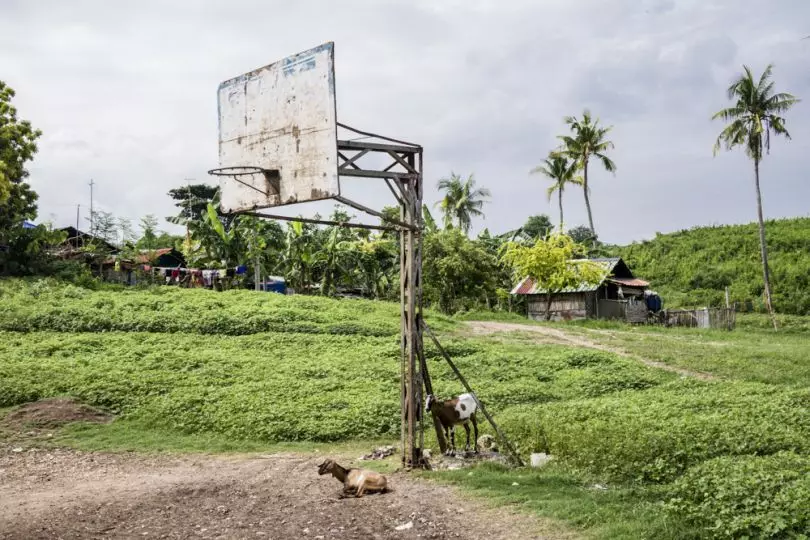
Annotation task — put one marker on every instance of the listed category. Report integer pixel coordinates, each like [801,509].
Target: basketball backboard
[282,119]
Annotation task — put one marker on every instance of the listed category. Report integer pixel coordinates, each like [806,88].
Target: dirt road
[545,334]
[60,493]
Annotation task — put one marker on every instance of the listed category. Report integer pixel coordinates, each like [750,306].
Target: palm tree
[752,119]
[587,141]
[462,201]
[561,170]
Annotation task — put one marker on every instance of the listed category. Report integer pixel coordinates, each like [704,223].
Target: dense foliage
[18,144]
[263,367]
[693,267]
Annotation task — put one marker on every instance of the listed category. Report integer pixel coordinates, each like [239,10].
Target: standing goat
[357,480]
[460,410]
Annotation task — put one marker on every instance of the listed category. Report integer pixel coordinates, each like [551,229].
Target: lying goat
[460,410]
[359,481]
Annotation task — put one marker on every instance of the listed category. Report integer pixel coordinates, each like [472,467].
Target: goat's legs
[475,428]
[361,489]
[447,439]
[453,439]
[467,429]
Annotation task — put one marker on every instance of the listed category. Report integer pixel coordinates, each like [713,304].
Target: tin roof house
[620,295]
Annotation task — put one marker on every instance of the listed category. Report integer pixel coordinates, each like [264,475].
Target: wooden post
[728,304]
[413,376]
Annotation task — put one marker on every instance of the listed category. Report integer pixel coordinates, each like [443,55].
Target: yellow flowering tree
[551,264]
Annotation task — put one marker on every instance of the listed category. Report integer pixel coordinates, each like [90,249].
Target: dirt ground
[60,493]
[545,334]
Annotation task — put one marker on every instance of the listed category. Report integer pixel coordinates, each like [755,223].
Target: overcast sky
[125,93]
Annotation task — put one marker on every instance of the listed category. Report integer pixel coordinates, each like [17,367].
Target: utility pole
[78,207]
[91,205]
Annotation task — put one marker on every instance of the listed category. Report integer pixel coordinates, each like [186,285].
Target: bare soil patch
[53,413]
[60,493]
[544,334]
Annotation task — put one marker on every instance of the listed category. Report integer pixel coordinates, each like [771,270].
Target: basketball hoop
[239,171]
[271,177]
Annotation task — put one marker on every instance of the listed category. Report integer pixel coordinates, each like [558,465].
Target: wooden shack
[620,295]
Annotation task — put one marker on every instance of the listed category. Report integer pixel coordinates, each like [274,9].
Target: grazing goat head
[460,410]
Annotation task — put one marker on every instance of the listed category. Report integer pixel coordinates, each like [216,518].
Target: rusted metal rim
[237,171]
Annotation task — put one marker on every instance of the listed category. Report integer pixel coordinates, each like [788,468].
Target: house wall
[634,312]
[564,307]
[611,309]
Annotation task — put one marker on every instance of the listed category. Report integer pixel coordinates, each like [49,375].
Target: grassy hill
[683,458]
[693,267]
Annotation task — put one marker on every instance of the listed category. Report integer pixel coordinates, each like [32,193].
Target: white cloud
[125,94]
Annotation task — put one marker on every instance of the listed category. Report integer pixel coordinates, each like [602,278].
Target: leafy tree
[462,201]
[587,140]
[458,273]
[538,226]
[561,170]
[333,249]
[502,277]
[26,253]
[17,147]
[149,232]
[127,234]
[299,255]
[550,264]
[104,226]
[583,235]
[375,262]
[427,217]
[756,114]
[192,200]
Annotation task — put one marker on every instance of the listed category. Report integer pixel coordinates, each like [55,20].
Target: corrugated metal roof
[606,263]
[630,282]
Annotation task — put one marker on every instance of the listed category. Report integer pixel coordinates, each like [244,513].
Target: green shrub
[656,434]
[46,305]
[747,496]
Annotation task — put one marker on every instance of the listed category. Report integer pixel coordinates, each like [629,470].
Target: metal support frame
[403,176]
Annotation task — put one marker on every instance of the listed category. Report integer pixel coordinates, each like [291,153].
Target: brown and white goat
[452,412]
[358,481]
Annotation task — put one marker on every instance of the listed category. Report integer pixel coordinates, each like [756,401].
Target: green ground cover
[238,371]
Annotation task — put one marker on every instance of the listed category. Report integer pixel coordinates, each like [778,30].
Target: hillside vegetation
[693,267]
[679,454]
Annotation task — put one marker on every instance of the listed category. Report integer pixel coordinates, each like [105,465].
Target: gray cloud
[125,94]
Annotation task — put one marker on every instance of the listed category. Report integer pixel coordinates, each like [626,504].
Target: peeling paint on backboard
[282,118]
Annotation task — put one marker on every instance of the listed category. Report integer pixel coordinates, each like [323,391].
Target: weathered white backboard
[281,118]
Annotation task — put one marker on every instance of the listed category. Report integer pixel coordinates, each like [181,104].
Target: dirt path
[60,493]
[545,334]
